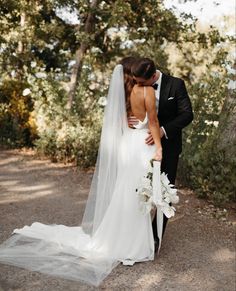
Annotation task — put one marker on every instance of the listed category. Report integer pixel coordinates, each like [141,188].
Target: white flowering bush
[64,135]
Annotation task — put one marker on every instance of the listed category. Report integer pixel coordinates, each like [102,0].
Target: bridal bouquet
[145,194]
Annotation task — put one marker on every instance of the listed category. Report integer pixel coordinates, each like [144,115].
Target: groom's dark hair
[143,68]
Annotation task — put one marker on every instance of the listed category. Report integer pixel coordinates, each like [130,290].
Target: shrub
[17,123]
[65,135]
[205,165]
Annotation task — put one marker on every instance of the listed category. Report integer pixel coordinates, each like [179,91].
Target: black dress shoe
[156,245]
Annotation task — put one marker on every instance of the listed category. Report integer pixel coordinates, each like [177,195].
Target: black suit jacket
[175,112]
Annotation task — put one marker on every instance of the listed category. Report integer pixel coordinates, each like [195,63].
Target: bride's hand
[158,155]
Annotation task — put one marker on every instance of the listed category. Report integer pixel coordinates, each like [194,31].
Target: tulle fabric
[124,235]
[113,229]
[115,125]
[54,259]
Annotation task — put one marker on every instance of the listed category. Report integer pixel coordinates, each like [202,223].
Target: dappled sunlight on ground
[29,196]
[24,188]
[223,255]
[151,278]
[197,250]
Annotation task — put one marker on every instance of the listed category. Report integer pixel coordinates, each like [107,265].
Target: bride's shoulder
[136,89]
[143,89]
[149,89]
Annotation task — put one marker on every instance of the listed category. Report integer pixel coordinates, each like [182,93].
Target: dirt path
[197,251]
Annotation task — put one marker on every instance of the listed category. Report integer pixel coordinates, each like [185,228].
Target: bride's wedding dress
[120,231]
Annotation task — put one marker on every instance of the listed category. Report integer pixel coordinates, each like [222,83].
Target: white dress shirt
[157,94]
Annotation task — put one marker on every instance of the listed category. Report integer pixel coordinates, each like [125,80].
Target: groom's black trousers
[169,166]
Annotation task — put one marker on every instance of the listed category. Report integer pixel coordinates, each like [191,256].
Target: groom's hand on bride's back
[132,120]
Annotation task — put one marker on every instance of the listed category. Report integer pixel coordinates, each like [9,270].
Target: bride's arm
[150,103]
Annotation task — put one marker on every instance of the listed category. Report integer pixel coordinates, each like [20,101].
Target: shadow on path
[197,251]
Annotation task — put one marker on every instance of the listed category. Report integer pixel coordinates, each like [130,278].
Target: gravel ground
[198,250]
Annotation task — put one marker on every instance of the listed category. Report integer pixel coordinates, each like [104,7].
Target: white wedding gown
[113,230]
[124,235]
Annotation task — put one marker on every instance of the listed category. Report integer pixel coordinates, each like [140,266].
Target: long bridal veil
[115,124]
[61,250]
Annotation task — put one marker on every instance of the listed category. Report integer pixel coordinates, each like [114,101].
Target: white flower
[142,40]
[127,44]
[13,73]
[102,101]
[167,199]
[146,206]
[145,193]
[168,210]
[146,183]
[164,179]
[33,64]
[142,29]
[41,75]
[174,198]
[26,92]
[50,46]
[96,50]
[72,63]
[92,77]
[216,123]
[62,52]
[150,168]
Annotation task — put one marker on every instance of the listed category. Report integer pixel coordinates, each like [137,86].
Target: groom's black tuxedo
[175,112]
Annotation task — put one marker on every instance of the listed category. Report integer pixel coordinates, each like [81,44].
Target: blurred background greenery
[56,61]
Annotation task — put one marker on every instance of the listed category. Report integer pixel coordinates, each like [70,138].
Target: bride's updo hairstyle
[129,82]
[143,68]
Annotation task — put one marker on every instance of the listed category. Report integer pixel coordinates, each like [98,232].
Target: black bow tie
[155,86]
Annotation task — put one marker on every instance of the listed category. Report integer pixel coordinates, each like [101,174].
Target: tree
[76,70]
[113,28]
[61,64]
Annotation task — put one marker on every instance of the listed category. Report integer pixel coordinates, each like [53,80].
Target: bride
[113,229]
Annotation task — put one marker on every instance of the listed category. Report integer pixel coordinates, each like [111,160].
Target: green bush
[210,173]
[205,165]
[65,141]
[65,135]
[17,123]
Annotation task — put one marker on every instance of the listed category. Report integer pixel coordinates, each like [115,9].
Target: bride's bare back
[137,102]
[142,102]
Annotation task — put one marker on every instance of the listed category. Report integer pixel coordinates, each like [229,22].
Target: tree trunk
[20,48]
[226,138]
[76,69]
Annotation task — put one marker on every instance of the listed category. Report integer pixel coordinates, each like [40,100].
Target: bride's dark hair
[129,82]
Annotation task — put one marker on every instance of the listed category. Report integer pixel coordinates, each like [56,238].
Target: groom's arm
[184,111]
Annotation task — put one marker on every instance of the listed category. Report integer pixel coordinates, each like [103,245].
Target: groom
[174,113]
